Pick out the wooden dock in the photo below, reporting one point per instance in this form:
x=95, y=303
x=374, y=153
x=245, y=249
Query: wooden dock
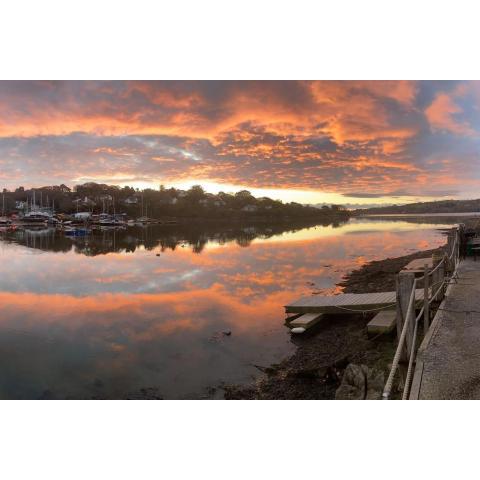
x=383, y=322
x=347, y=302
x=303, y=322
x=417, y=266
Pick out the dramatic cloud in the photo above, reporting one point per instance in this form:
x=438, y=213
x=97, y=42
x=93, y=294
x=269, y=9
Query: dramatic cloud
x=377, y=139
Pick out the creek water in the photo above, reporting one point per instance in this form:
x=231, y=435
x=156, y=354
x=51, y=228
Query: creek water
x=170, y=312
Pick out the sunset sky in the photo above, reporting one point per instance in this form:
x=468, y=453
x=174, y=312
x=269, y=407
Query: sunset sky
x=364, y=142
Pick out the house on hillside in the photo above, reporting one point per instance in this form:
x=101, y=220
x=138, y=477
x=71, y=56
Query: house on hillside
x=131, y=201
x=105, y=198
x=84, y=202
x=249, y=208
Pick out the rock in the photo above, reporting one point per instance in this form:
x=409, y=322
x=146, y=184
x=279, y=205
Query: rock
x=375, y=384
x=354, y=384
x=342, y=362
x=360, y=383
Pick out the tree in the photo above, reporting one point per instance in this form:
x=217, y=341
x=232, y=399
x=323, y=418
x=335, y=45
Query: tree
x=195, y=193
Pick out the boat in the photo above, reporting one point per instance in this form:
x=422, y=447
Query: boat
x=37, y=214
x=4, y=220
x=36, y=217
x=111, y=222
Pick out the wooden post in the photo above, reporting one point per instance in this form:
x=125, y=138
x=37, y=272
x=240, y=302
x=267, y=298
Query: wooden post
x=405, y=283
x=450, y=248
x=426, y=305
x=435, y=277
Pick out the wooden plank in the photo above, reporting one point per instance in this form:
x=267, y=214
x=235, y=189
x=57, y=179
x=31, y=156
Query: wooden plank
x=383, y=322
x=353, y=301
x=306, y=320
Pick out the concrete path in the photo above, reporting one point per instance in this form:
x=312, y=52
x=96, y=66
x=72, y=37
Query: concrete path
x=448, y=361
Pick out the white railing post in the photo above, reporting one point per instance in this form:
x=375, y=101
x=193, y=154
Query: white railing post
x=405, y=284
x=426, y=305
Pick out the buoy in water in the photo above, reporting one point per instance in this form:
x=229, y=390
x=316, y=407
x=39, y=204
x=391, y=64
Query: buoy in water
x=298, y=330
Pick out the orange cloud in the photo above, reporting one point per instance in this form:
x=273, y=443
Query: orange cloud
x=441, y=115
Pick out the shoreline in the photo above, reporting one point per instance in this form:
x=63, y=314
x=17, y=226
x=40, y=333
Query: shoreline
x=315, y=369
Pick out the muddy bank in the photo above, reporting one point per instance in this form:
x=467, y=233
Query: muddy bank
x=315, y=370
x=379, y=276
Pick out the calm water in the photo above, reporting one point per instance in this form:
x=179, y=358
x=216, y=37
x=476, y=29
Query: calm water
x=142, y=311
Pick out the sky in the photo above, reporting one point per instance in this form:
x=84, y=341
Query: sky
x=349, y=142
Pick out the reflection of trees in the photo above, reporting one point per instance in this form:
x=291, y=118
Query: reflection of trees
x=245, y=239
x=195, y=236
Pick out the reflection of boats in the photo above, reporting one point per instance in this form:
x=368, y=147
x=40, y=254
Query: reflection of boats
x=142, y=220
x=112, y=222
x=146, y=221
x=76, y=232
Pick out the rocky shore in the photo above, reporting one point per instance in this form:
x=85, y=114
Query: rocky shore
x=316, y=369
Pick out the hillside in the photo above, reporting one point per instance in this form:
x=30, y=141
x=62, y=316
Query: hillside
x=441, y=206
x=164, y=202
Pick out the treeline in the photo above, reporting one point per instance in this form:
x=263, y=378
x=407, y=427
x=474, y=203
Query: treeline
x=192, y=235
x=164, y=202
x=440, y=206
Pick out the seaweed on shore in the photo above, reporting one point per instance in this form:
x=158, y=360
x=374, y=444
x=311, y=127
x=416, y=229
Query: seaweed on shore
x=315, y=370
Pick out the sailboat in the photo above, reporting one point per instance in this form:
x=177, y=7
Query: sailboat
x=143, y=220
x=36, y=214
x=107, y=220
x=3, y=219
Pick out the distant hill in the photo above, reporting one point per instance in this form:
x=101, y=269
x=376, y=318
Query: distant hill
x=441, y=206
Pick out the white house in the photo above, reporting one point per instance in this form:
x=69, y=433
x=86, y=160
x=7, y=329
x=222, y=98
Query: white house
x=131, y=201
x=249, y=208
x=87, y=202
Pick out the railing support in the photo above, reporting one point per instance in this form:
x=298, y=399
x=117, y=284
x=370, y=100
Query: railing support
x=405, y=284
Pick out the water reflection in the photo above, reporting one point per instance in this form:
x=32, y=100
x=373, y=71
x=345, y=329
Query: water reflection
x=104, y=316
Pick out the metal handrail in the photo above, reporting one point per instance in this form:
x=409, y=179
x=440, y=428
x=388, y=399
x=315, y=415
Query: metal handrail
x=401, y=341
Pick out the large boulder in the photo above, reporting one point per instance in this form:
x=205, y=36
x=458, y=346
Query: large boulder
x=360, y=383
